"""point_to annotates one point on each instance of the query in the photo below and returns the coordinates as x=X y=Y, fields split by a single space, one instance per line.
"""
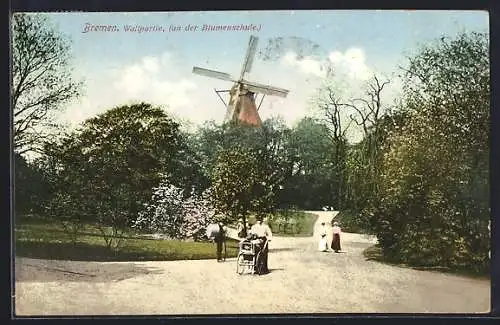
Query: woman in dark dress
x=336 y=237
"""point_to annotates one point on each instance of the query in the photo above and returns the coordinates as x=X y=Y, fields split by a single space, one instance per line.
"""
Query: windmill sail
x=247 y=64
x=265 y=89
x=233 y=100
x=212 y=74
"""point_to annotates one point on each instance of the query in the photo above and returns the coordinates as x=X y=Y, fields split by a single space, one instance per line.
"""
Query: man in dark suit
x=220 y=238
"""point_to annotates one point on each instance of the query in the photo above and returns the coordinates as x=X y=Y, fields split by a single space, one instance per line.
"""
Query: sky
x=294 y=48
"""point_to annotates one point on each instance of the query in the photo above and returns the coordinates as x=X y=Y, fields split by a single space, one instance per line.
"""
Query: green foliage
x=433 y=199
x=311 y=181
x=299 y=160
x=240 y=185
x=32 y=188
x=267 y=143
x=106 y=170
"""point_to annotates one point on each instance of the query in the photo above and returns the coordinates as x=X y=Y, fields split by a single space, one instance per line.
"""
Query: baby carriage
x=251 y=256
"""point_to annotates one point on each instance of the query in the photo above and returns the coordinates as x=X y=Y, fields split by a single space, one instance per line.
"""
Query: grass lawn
x=374 y=253
x=47 y=239
x=299 y=223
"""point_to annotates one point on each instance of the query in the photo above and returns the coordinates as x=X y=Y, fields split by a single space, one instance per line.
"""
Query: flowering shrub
x=198 y=214
x=174 y=214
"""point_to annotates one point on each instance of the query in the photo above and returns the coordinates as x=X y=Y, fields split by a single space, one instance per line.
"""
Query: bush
x=175 y=214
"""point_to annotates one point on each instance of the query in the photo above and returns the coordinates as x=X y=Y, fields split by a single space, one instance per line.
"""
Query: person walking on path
x=264 y=233
x=336 y=237
x=220 y=238
x=323 y=243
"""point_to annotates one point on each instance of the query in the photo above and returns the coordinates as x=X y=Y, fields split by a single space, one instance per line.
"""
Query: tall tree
x=331 y=105
x=311 y=180
x=241 y=185
x=42 y=80
x=107 y=170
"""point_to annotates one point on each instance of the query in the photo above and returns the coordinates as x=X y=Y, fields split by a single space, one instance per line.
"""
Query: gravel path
x=302 y=280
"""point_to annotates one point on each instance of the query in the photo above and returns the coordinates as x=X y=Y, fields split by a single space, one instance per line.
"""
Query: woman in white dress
x=323 y=242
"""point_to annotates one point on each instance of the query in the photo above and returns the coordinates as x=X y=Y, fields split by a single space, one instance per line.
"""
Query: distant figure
x=241 y=229
x=336 y=237
x=323 y=243
x=264 y=233
x=489 y=234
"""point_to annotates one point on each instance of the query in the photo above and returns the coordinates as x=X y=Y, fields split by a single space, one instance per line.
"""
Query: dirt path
x=302 y=280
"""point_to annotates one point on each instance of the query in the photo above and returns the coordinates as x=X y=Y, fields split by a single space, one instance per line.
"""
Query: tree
x=42 y=81
x=434 y=190
x=239 y=185
x=310 y=183
x=268 y=144
x=364 y=157
x=107 y=169
x=330 y=104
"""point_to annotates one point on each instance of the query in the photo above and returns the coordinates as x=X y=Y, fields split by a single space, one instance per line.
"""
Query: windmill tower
x=241 y=107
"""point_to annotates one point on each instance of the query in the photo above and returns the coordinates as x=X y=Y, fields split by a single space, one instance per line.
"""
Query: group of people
x=260 y=231
x=323 y=241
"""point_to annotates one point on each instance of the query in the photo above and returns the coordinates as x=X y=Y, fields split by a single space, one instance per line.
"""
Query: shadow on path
x=283 y=249
x=34 y=271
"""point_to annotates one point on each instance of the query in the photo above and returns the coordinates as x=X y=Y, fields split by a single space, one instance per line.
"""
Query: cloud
x=151 y=64
x=351 y=63
x=306 y=64
x=152 y=79
x=146 y=81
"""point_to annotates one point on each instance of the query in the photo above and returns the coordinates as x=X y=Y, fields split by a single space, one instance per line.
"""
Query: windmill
x=241 y=107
